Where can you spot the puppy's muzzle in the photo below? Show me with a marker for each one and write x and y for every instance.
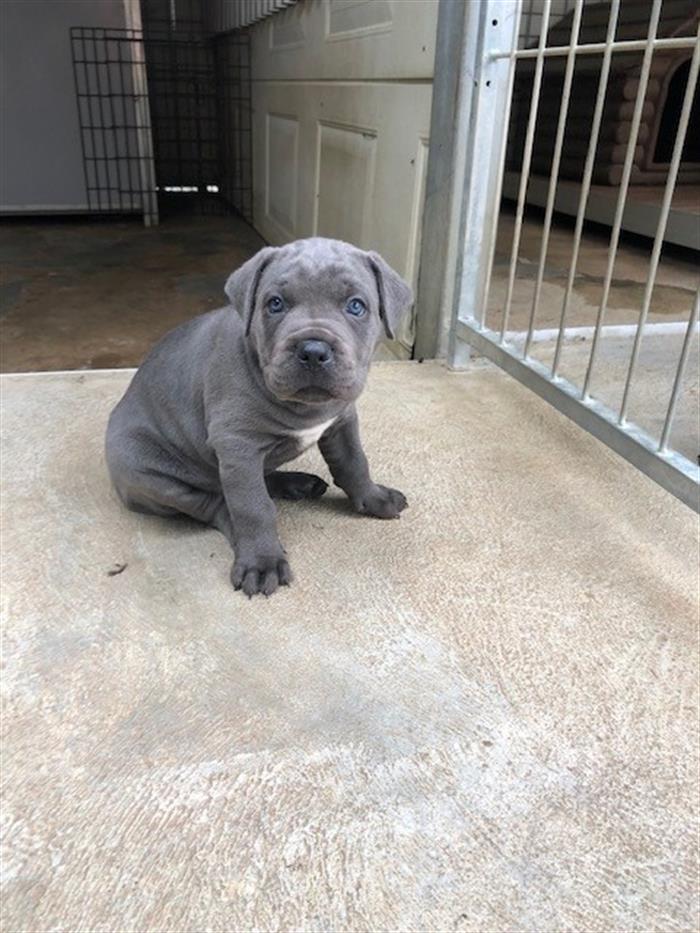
(315, 354)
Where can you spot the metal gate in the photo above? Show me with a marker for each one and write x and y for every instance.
(492, 59)
(165, 118)
(109, 69)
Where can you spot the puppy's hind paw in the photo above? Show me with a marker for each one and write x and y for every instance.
(293, 485)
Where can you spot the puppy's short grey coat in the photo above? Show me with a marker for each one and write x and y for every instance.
(227, 398)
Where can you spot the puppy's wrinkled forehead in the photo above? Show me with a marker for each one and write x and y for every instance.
(313, 272)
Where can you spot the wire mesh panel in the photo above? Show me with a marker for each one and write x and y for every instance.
(183, 95)
(232, 58)
(601, 104)
(114, 116)
(199, 87)
(165, 114)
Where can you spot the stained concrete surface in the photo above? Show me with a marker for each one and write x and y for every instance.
(677, 279)
(86, 294)
(80, 294)
(651, 387)
(91, 294)
(482, 716)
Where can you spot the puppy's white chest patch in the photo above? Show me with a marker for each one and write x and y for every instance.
(309, 436)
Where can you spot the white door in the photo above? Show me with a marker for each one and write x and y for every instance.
(341, 113)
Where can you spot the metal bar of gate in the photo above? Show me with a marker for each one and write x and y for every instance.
(680, 371)
(480, 209)
(663, 220)
(554, 172)
(595, 48)
(527, 160)
(487, 131)
(587, 175)
(622, 191)
(492, 229)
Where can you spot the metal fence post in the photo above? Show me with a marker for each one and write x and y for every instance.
(493, 26)
(451, 100)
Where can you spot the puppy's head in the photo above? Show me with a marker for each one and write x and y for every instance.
(315, 311)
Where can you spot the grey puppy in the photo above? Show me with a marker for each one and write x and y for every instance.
(224, 400)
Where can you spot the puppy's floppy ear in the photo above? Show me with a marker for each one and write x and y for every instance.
(242, 285)
(395, 295)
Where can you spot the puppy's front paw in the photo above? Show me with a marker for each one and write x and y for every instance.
(260, 573)
(381, 502)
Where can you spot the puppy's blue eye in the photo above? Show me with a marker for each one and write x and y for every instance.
(275, 305)
(356, 307)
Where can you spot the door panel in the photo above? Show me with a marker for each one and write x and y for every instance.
(280, 193)
(341, 115)
(359, 176)
(362, 39)
(345, 182)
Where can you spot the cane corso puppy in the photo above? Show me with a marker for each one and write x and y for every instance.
(224, 400)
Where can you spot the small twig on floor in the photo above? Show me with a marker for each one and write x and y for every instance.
(118, 568)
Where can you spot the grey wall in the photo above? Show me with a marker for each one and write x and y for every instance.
(40, 154)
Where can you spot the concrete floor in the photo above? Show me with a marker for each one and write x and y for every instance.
(85, 294)
(482, 717)
(88, 295)
(677, 279)
(651, 389)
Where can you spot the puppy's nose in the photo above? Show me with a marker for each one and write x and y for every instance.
(314, 352)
